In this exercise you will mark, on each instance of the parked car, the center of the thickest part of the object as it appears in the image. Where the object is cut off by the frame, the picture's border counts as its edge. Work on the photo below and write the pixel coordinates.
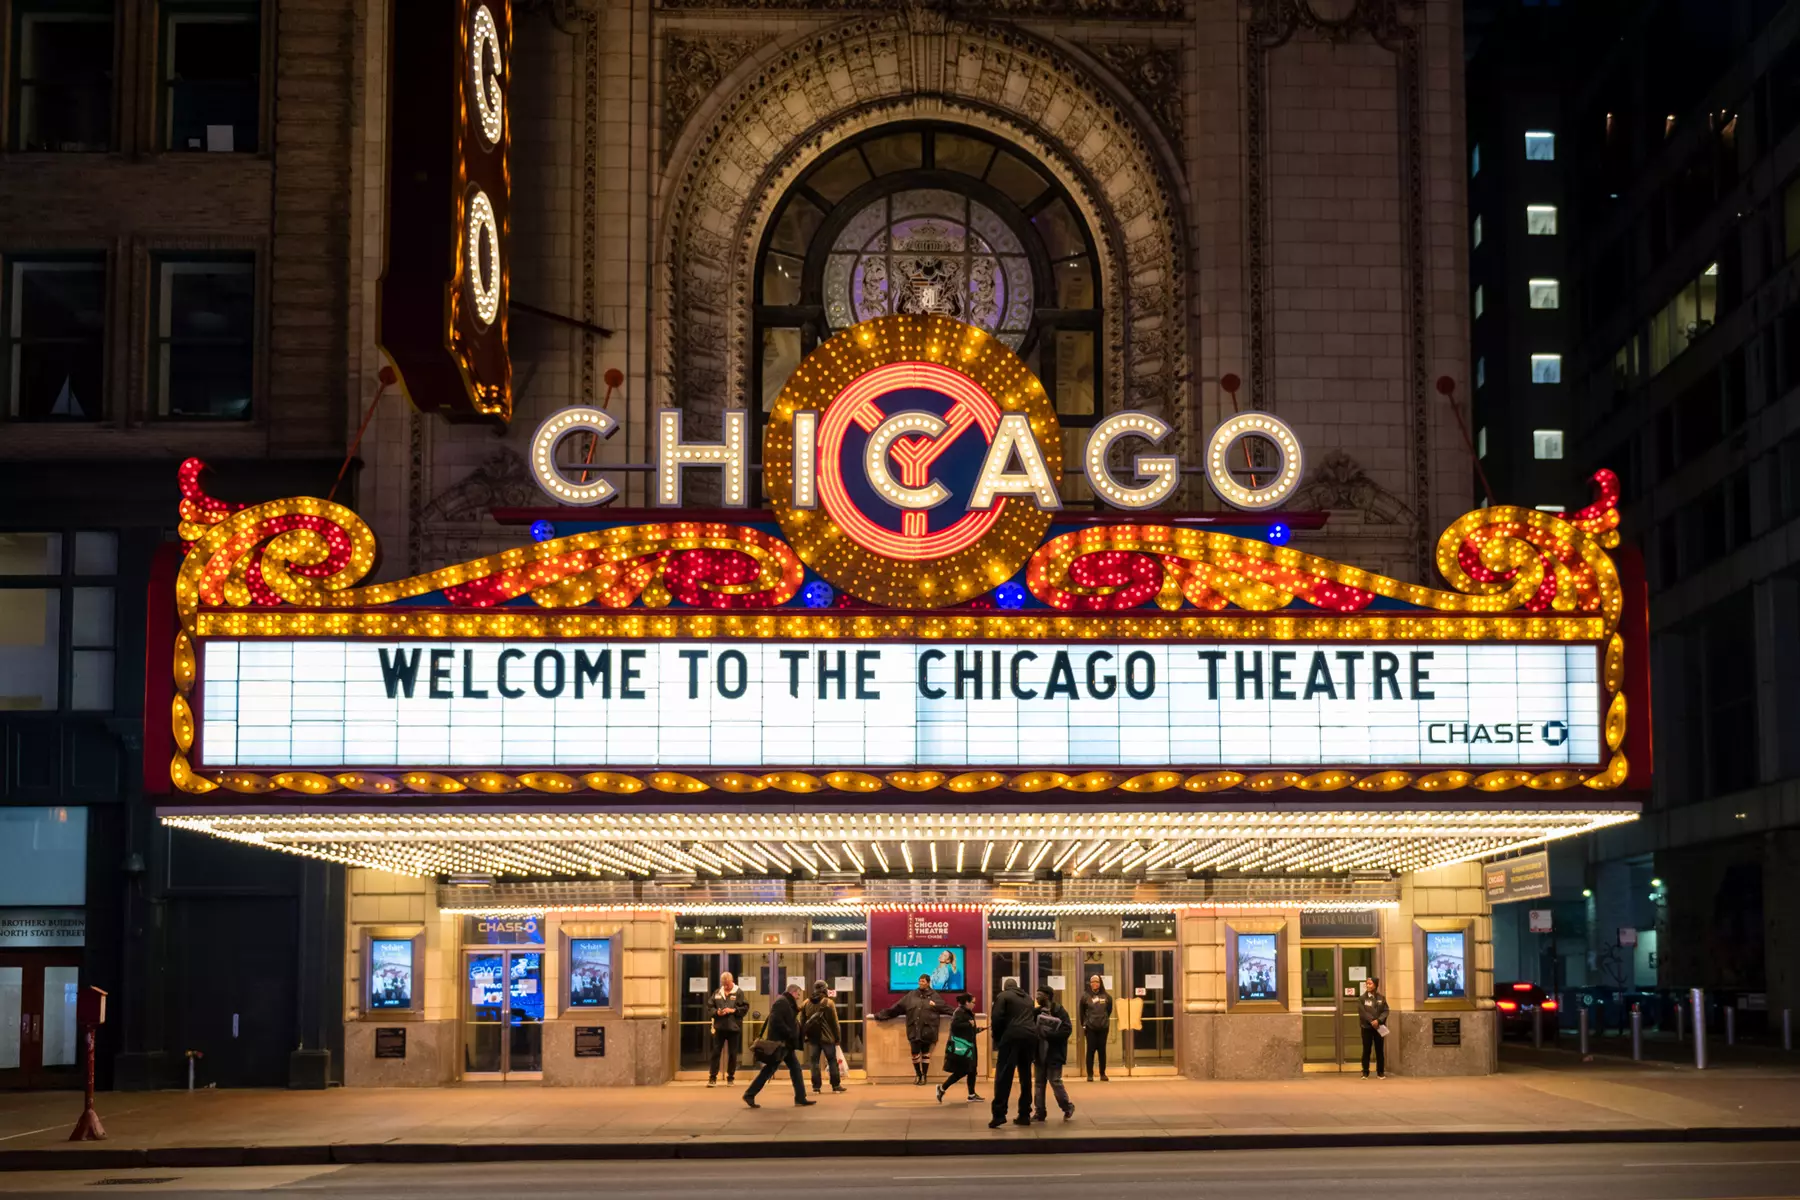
(1516, 1002)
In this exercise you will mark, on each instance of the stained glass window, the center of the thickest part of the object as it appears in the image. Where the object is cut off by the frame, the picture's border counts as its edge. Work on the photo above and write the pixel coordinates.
(930, 250)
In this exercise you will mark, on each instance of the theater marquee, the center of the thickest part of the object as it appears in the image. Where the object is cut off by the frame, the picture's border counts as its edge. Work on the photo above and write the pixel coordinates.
(916, 631)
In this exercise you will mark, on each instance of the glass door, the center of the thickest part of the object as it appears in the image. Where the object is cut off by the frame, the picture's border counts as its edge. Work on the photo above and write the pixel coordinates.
(1331, 979)
(842, 971)
(503, 1029)
(38, 1038)
(1149, 1012)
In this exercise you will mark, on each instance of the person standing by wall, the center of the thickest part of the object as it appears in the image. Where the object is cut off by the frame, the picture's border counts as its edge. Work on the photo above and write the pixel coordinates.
(1055, 1028)
(782, 1033)
(1372, 1015)
(728, 1005)
(959, 1055)
(1016, 1046)
(921, 1008)
(1096, 1018)
(819, 1026)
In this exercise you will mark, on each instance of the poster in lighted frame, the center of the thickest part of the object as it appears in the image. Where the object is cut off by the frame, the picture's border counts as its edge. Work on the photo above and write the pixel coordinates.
(1255, 963)
(590, 972)
(390, 975)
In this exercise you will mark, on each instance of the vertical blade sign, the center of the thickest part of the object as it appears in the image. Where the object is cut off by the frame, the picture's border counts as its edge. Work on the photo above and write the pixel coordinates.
(445, 275)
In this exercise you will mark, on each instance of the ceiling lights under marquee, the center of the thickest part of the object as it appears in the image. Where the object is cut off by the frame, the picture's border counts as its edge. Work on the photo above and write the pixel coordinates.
(748, 845)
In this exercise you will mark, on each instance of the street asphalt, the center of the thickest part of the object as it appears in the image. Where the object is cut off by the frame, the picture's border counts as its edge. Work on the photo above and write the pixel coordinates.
(1694, 1171)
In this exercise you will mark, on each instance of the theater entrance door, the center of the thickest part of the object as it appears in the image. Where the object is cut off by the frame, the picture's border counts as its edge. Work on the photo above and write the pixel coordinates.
(1331, 977)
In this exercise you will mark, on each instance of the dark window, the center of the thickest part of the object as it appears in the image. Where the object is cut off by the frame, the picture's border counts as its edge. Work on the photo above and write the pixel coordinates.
(56, 338)
(58, 629)
(1728, 693)
(63, 76)
(205, 337)
(211, 57)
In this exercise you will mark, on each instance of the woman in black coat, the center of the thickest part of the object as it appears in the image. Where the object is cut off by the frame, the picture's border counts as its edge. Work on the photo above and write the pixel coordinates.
(962, 1033)
(1096, 1017)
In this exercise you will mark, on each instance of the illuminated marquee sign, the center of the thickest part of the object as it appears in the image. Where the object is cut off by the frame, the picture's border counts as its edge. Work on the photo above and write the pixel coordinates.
(916, 460)
(443, 291)
(596, 705)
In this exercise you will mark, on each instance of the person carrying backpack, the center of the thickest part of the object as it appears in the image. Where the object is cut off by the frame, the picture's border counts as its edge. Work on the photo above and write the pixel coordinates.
(819, 1026)
(1055, 1028)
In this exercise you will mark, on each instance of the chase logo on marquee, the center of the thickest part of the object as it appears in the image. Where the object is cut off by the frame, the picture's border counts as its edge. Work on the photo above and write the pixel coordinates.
(915, 460)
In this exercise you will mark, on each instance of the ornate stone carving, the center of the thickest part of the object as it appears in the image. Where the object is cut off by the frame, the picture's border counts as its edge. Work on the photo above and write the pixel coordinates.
(1339, 482)
(1153, 75)
(503, 481)
(1144, 10)
(692, 67)
(863, 73)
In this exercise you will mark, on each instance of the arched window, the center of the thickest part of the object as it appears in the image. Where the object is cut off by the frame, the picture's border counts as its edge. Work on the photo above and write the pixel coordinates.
(928, 218)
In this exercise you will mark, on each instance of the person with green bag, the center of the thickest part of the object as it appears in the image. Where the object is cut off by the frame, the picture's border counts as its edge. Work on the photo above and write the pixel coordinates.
(959, 1055)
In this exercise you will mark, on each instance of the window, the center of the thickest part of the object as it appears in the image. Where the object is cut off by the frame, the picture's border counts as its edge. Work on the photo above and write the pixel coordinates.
(1480, 372)
(920, 218)
(55, 314)
(1474, 160)
(1546, 368)
(1481, 442)
(1544, 293)
(205, 343)
(58, 633)
(1552, 508)
(1546, 443)
(1540, 145)
(211, 59)
(62, 72)
(1685, 317)
(1540, 219)
(1475, 232)
(1479, 304)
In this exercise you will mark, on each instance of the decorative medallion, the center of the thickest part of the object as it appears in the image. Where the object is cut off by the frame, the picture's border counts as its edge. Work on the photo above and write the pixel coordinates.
(908, 415)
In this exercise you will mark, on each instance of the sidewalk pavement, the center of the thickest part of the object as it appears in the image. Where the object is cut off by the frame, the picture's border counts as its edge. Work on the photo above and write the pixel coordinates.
(1531, 1104)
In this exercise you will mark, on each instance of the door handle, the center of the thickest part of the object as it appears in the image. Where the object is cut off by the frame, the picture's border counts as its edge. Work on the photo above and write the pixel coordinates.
(37, 1027)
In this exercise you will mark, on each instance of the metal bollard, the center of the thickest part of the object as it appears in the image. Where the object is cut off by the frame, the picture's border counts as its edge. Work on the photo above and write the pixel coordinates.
(1584, 1031)
(1787, 1029)
(1731, 1025)
(1637, 1035)
(1697, 996)
(1537, 1028)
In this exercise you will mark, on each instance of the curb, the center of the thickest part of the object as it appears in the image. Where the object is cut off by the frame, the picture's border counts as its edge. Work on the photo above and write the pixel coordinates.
(350, 1153)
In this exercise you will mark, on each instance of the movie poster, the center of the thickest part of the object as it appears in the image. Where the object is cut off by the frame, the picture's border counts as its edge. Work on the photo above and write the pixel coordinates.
(1256, 967)
(1446, 971)
(390, 973)
(590, 973)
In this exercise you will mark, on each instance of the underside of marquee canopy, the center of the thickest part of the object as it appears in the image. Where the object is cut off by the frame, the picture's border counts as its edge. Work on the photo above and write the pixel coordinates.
(1241, 841)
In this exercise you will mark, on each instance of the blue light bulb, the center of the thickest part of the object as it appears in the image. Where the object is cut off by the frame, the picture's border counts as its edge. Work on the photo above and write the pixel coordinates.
(542, 531)
(1279, 534)
(817, 594)
(1009, 595)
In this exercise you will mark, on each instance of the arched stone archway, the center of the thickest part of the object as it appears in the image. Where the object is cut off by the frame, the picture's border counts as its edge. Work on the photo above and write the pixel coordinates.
(735, 163)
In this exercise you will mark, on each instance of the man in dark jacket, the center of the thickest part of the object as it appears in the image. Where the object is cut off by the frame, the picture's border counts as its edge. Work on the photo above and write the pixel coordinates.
(728, 1005)
(921, 1008)
(1016, 1040)
(784, 1030)
(1055, 1027)
(819, 1026)
(1372, 1015)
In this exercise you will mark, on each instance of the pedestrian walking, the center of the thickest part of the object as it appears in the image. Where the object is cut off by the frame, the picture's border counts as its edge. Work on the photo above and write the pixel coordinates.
(1372, 1015)
(1016, 1042)
(779, 1047)
(959, 1055)
(819, 1026)
(1054, 1030)
(1096, 1018)
(921, 1008)
(728, 1005)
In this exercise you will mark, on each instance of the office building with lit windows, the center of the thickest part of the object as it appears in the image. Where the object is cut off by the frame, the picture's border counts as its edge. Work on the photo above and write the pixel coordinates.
(1677, 249)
